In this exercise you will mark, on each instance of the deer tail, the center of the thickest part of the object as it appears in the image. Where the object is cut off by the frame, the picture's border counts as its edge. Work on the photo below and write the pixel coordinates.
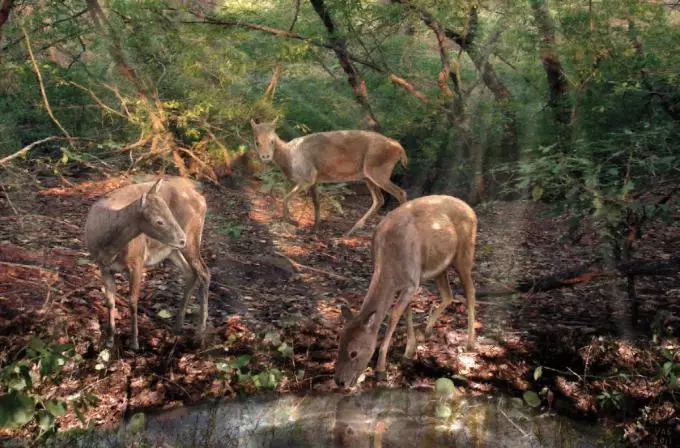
(404, 159)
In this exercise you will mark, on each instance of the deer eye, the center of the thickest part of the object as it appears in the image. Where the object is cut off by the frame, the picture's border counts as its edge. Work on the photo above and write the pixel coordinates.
(353, 354)
(159, 223)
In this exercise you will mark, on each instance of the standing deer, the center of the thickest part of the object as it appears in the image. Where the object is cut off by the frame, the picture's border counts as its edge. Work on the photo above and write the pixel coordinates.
(140, 225)
(327, 157)
(417, 241)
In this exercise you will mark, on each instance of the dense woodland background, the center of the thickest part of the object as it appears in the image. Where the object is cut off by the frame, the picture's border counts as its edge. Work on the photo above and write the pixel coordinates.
(574, 104)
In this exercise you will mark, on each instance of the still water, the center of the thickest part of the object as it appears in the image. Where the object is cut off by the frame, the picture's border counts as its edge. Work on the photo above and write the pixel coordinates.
(378, 418)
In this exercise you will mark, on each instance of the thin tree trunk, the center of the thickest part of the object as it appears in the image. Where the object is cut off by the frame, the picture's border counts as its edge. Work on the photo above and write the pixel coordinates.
(353, 76)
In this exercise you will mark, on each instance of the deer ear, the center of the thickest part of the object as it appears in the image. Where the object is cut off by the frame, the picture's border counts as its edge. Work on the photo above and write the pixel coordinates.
(142, 200)
(346, 312)
(156, 186)
(275, 122)
(252, 123)
(370, 320)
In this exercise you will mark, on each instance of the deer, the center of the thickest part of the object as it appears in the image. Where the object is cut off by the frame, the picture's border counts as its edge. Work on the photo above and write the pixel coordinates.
(333, 157)
(140, 225)
(415, 242)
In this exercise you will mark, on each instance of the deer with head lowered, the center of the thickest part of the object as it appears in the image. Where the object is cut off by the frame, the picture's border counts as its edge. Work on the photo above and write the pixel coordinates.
(417, 241)
(140, 225)
(332, 157)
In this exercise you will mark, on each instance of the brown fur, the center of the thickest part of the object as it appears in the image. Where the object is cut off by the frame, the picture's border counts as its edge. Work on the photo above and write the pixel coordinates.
(140, 225)
(338, 156)
(417, 241)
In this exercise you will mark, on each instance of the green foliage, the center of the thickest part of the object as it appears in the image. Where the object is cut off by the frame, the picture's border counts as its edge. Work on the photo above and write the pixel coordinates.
(22, 380)
(239, 370)
(232, 229)
(611, 400)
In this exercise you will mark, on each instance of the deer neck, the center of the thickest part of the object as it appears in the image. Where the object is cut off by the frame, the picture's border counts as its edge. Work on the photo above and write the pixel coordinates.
(122, 226)
(378, 298)
(282, 155)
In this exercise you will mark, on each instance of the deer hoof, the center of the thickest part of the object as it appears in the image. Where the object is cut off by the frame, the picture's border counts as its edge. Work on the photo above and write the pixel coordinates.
(135, 346)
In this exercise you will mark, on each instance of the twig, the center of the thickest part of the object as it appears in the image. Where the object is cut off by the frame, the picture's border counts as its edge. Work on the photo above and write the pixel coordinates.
(9, 201)
(168, 380)
(309, 268)
(519, 428)
(97, 99)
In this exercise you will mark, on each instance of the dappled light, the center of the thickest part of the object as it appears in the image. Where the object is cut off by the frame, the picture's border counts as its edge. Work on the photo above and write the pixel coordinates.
(324, 174)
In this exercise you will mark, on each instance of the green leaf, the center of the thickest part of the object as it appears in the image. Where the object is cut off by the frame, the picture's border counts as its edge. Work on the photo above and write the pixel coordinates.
(537, 192)
(667, 354)
(239, 362)
(538, 373)
(443, 411)
(137, 423)
(164, 314)
(272, 338)
(17, 409)
(444, 387)
(300, 374)
(531, 398)
(104, 356)
(82, 261)
(17, 383)
(517, 402)
(56, 407)
(285, 350)
(45, 421)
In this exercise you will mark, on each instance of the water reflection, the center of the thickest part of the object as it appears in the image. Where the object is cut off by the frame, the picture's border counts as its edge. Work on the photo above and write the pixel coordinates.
(377, 419)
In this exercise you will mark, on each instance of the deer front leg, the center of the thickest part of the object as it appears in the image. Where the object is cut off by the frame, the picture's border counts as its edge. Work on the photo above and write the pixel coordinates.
(378, 202)
(190, 280)
(447, 297)
(397, 311)
(317, 206)
(135, 272)
(286, 200)
(110, 293)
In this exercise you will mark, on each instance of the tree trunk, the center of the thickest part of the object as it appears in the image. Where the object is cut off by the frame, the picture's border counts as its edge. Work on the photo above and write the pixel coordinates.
(353, 76)
(5, 10)
(558, 98)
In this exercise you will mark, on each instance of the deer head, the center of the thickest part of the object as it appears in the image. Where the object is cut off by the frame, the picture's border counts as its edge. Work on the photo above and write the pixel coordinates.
(265, 139)
(157, 220)
(357, 345)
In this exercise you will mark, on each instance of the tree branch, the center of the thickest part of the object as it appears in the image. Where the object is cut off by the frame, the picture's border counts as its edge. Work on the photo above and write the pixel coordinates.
(353, 76)
(42, 88)
(27, 148)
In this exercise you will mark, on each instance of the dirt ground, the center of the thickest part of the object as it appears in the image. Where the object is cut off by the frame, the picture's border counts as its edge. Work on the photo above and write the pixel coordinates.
(268, 276)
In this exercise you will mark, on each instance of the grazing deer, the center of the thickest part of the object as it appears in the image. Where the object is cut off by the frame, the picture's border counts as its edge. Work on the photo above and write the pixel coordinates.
(417, 241)
(140, 225)
(327, 157)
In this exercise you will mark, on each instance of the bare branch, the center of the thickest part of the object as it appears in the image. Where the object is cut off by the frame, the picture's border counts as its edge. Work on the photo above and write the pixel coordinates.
(27, 148)
(42, 89)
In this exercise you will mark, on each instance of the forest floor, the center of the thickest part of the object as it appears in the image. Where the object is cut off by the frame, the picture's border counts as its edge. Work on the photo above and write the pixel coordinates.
(269, 277)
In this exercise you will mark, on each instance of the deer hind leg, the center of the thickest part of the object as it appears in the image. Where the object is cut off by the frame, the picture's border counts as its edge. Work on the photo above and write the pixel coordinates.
(203, 274)
(397, 310)
(110, 292)
(135, 271)
(380, 175)
(378, 201)
(447, 297)
(410, 351)
(465, 274)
